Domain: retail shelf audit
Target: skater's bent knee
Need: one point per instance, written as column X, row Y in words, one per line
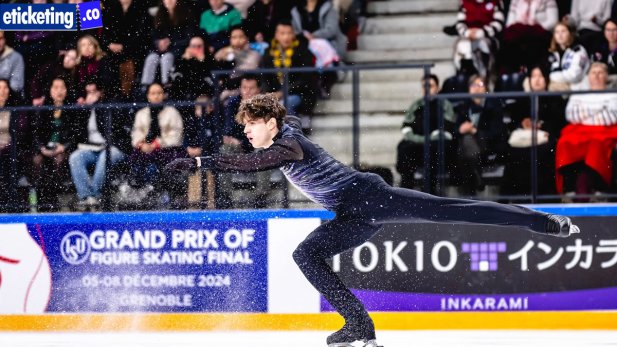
column 300, row 255
column 304, row 253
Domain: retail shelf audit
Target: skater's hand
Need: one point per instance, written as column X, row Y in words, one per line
column 181, row 165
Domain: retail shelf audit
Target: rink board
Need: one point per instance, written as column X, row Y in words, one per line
column 233, row 270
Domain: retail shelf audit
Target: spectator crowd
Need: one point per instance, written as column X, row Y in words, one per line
column 157, row 51
column 532, row 46
column 153, row 52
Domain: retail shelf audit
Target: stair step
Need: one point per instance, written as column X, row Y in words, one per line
column 377, row 90
column 408, row 24
column 379, row 136
column 401, row 56
column 442, row 69
column 406, row 41
column 366, row 106
column 367, row 121
column 411, row 6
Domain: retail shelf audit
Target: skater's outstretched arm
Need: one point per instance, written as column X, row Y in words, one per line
column 283, row 151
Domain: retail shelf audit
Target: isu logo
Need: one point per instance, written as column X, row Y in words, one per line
column 75, row 247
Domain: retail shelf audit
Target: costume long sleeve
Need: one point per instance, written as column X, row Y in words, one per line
column 283, row 151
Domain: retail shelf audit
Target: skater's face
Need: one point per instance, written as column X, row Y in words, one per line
column 260, row 132
column 536, row 80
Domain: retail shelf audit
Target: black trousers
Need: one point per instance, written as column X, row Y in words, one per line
column 368, row 204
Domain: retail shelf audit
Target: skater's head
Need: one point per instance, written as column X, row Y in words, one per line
column 262, row 117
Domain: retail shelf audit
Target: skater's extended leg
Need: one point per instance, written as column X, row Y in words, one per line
column 388, row 204
column 327, row 240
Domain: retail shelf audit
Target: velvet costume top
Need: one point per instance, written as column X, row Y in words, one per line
column 306, row 165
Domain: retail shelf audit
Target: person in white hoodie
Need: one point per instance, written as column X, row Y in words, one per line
column 569, row 61
column 11, row 65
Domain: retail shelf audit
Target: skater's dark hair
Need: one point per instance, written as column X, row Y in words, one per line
column 262, row 106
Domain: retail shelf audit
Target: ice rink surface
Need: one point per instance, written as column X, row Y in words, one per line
column 439, row 338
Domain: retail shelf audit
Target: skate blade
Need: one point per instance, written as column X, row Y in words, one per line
column 369, row 343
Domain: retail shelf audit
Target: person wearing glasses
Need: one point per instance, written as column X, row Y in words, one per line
column 606, row 50
column 480, row 132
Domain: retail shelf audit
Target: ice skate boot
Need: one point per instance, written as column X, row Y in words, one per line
column 561, row 226
column 354, row 331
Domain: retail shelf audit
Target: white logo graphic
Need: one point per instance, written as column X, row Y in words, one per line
column 26, row 276
column 75, row 247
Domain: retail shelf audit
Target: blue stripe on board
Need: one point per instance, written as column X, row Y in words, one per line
column 573, row 210
column 159, row 216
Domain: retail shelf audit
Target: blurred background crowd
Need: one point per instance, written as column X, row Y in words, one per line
column 156, row 52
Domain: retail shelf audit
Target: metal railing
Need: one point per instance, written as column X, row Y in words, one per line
column 533, row 196
column 355, row 115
